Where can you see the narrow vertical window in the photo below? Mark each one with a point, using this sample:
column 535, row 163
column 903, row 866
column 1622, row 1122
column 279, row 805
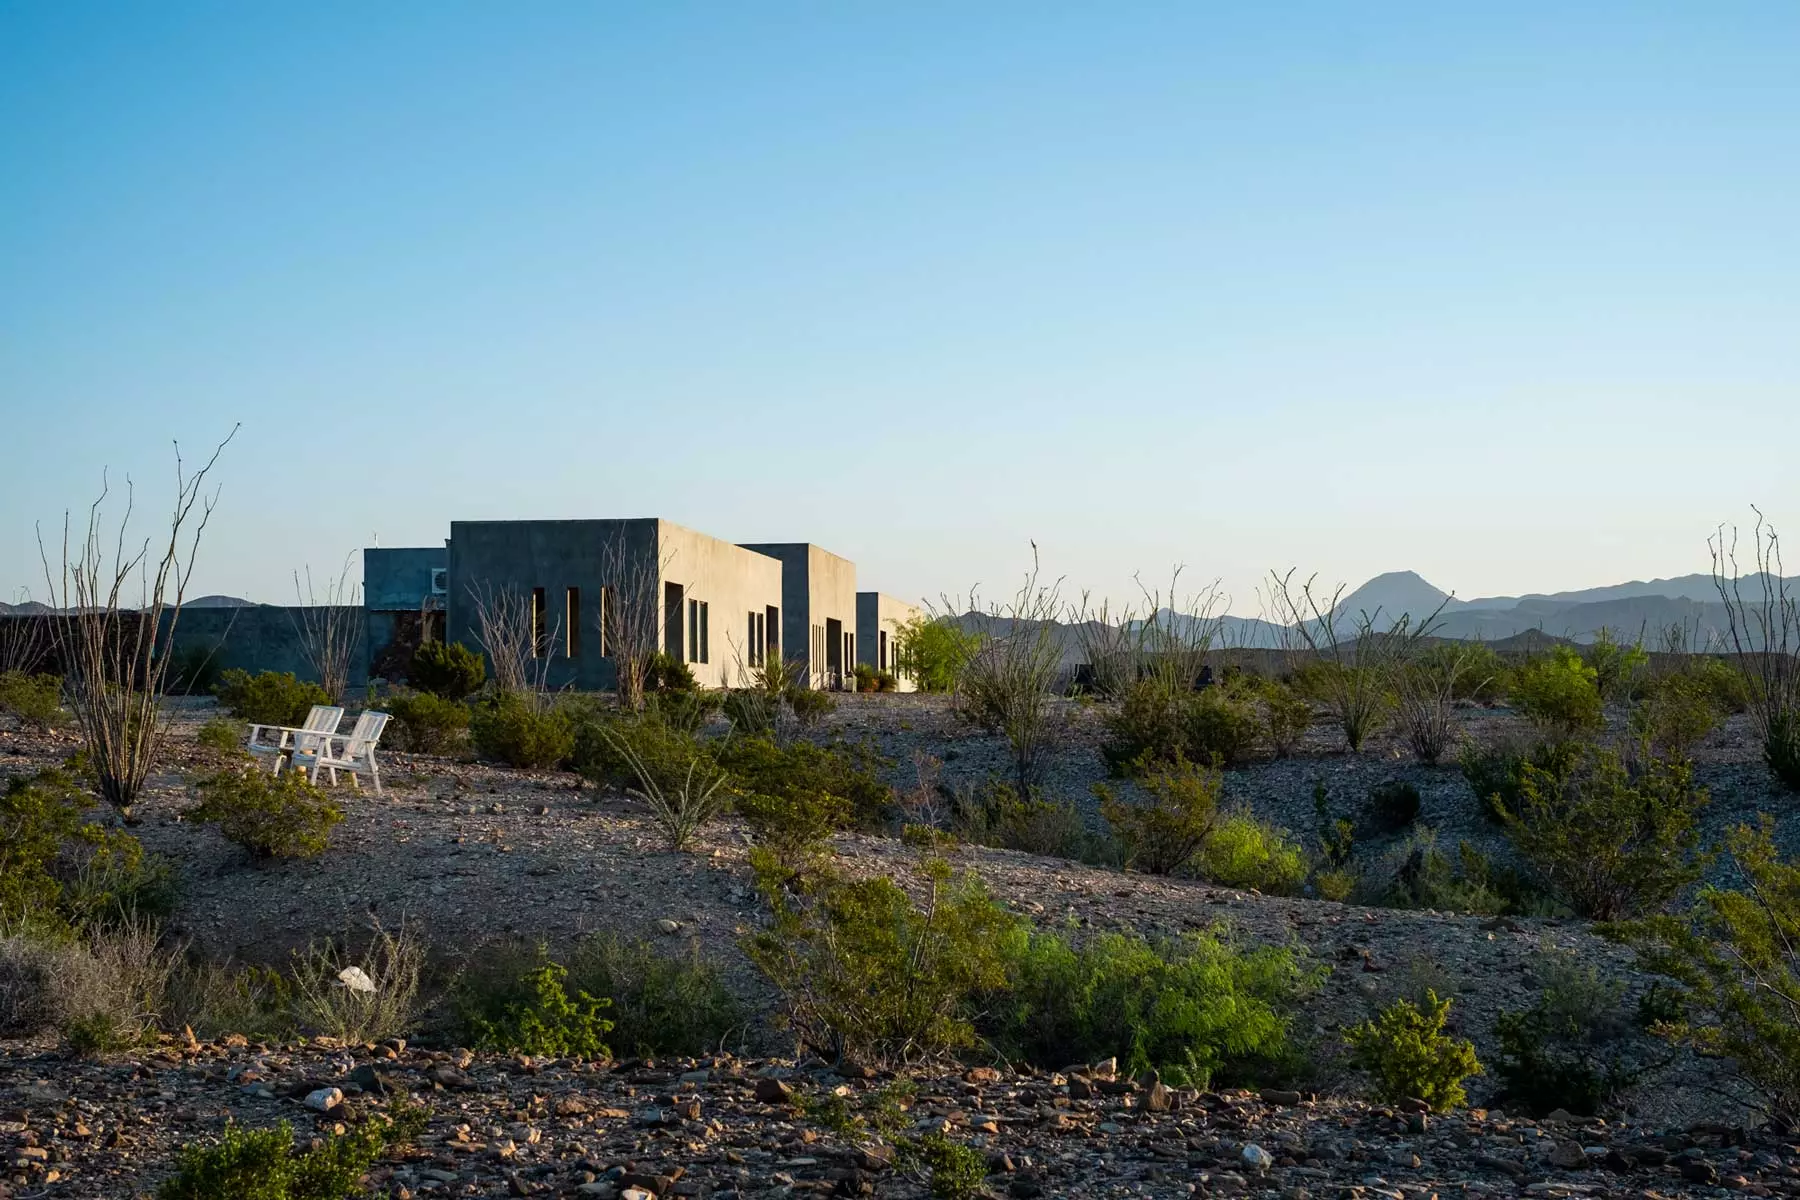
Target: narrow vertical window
column 772, row 631
column 881, row 658
column 705, row 634
column 540, row 641
column 604, row 619
column 693, row 624
column 572, row 619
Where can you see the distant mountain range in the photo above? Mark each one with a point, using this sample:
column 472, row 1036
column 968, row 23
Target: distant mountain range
column 34, row 608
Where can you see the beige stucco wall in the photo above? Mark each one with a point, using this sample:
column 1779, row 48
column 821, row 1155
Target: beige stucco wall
column 733, row 582
column 878, row 613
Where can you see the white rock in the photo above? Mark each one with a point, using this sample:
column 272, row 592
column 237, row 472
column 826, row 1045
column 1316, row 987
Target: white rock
column 1257, row 1159
column 325, row 1099
column 357, row 980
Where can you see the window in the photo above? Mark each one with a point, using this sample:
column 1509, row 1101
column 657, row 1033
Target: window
column 697, row 631
column 605, row 617
column 771, row 632
column 705, row 635
column 881, row 651
column 573, row 617
column 755, row 640
column 540, row 638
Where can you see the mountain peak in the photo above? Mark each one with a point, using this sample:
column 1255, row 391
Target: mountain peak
column 1396, row 594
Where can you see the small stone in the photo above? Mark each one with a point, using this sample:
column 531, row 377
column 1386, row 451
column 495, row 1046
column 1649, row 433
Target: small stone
column 1569, row 1156
column 357, row 980
column 1698, row 1170
column 1285, row 1099
column 1256, row 1158
column 668, row 927
column 324, row 1099
column 770, row 1090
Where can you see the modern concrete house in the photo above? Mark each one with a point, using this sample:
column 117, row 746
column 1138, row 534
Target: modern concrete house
column 405, row 590
column 717, row 606
column 878, row 621
column 818, row 591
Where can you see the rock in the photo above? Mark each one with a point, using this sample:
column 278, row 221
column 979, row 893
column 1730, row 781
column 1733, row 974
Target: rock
column 357, row 980
column 667, row 927
column 773, row 1091
column 1569, row 1156
column 1080, row 1088
column 1698, row 1170
column 324, row 1099
column 372, row 1081
column 1157, row 1098
column 1256, row 1158
column 1283, row 1098
column 1413, row 1106
column 1489, row 1163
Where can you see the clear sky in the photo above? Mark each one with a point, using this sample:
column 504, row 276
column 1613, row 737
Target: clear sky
column 1507, row 294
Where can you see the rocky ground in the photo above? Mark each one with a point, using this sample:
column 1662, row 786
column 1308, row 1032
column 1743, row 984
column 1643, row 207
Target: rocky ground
column 461, row 853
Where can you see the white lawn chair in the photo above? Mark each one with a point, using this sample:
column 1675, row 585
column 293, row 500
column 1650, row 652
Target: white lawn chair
column 322, row 719
column 353, row 752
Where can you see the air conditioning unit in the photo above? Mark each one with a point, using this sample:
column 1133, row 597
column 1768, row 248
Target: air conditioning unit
column 440, row 581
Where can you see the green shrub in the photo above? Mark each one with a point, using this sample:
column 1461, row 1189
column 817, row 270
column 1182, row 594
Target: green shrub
column 36, row 700
column 933, row 653
column 271, row 816
column 193, row 671
column 1618, row 668
column 269, row 698
column 216, row 1000
column 1155, row 723
column 521, row 732
column 1729, row 689
column 263, row 1164
column 1479, row 674
column 1196, row 1009
column 1734, row 961
column 1393, row 805
column 1286, row 716
column 866, row 972
column 1246, row 852
column 60, row 871
column 795, row 827
column 607, row 744
column 1168, row 832
column 886, row 681
column 1409, row 1057
column 994, row 815
column 1496, row 773
column 847, row 772
column 425, row 723
column 1567, row 1050
column 1417, row 874
column 810, row 705
column 1560, row 694
column 752, row 711
column 1781, row 747
column 224, row 736
column 678, row 778
column 1606, row 844
column 957, row 1171
column 447, row 670
column 864, row 676
column 545, row 1022
column 686, row 710
column 660, row 1004
column 1674, row 714
column 667, row 673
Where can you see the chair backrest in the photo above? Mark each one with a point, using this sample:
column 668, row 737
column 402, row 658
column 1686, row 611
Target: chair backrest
column 322, row 719
column 367, row 732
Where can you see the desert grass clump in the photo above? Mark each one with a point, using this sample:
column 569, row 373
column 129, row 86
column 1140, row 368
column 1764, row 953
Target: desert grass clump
column 358, row 998
column 1426, row 692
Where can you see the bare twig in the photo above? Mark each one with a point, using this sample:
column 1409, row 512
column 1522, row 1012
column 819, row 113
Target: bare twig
column 328, row 629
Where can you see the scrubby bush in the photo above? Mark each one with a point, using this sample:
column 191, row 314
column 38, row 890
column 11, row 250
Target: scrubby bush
column 810, row 705
column 1155, row 723
column 357, row 998
column 268, row 698
column 752, row 711
column 1245, row 851
column 102, row 992
column 1393, row 805
column 686, row 710
column 216, row 1000
column 956, row 1171
column 448, row 670
column 935, row 652
column 666, row 673
column 864, row 676
column 847, row 772
column 1734, row 958
column 1197, row 1009
column 660, row 1004
column 994, row 815
column 1476, row 672
column 264, row 1164
column 60, row 872
column 1409, row 1056
column 1495, row 773
column 1674, row 714
column 545, row 1021
column 1567, row 1050
column 36, row 700
column 1726, row 684
column 1560, row 694
column 794, row 827
column 218, row 734
column 1286, row 716
column 1360, row 698
column 1781, row 748
column 1167, row 832
column 866, row 972
column 1605, row 843
column 521, row 732
column 677, row 778
column 270, row 816
column 1618, row 668
column 426, row 723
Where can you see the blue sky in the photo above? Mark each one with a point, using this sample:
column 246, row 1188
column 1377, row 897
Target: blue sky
column 1505, row 294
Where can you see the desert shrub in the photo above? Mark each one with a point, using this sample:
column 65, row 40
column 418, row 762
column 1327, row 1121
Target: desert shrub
column 60, row 872
column 545, row 1021
column 1155, row 723
column 864, row 971
column 448, row 670
column 1418, row 874
column 513, row 729
column 193, row 671
column 358, row 998
column 660, row 1004
column 844, row 771
column 110, row 883
column 268, row 698
column 425, row 723
column 667, row 673
column 1393, row 805
column 1560, row 694
column 1197, row 1009
column 687, row 710
column 1360, row 698
column 1674, row 714
column 1730, row 692
column 994, row 815
column 1409, row 1056
column 935, row 652
column 678, row 779
column 1606, row 844
column 270, row 816
column 36, row 700
column 264, row 1164
column 1567, row 1050
column 864, row 676
column 1168, row 831
column 1286, row 716
column 1733, row 958
column 752, row 711
column 810, row 705
column 1495, row 773
column 793, row 827
column 225, row 737
column 1781, row 747
column 1247, row 852
column 1476, row 672
column 886, row 681
column 217, row 999
column 1618, row 668
column 109, row 989
column 956, row 1171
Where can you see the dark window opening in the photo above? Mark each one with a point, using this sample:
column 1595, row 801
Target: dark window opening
column 573, row 617
column 673, row 638
column 540, row 615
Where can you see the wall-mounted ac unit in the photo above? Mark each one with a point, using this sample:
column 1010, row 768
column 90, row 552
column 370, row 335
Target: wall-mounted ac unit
column 440, row 581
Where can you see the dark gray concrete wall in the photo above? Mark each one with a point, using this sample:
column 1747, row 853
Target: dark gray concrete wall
column 796, row 625
column 400, row 577
column 265, row 637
